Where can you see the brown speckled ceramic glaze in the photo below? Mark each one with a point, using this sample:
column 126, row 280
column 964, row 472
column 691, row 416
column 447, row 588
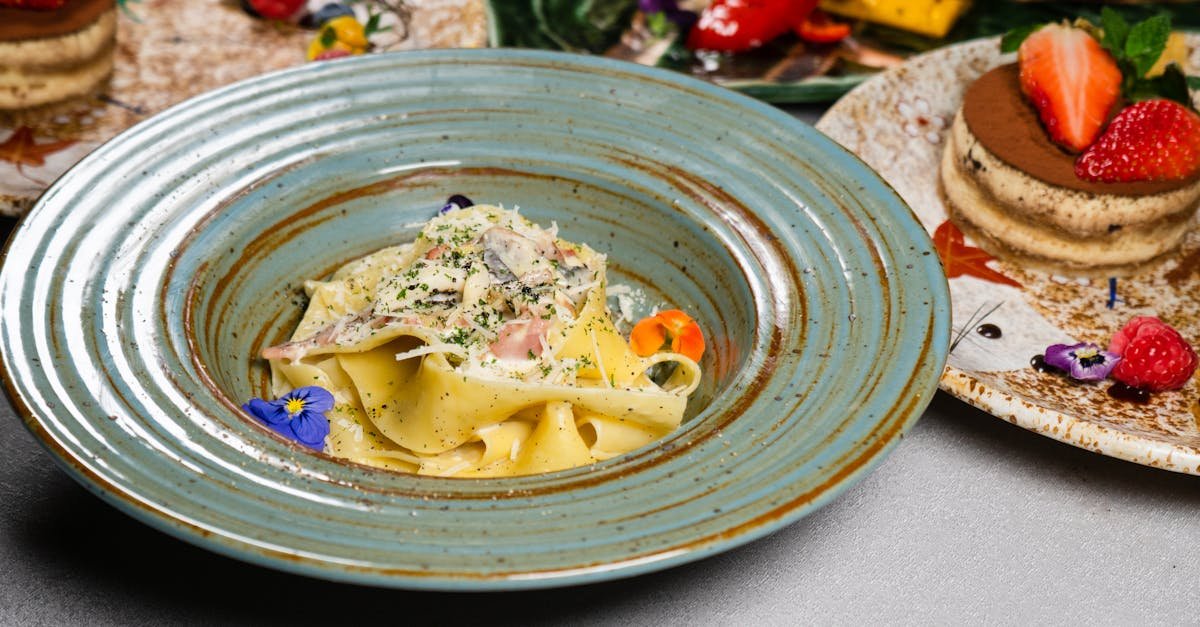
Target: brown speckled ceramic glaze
column 137, row 294
column 898, row 123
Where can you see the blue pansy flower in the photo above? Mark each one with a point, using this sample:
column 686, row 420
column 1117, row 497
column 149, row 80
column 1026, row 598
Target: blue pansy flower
column 1083, row 361
column 298, row 415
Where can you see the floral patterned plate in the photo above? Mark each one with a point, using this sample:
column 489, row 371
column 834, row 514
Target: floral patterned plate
column 1005, row 314
column 170, row 50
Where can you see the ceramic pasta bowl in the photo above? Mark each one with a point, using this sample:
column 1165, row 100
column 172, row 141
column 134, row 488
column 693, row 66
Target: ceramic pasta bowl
column 140, row 289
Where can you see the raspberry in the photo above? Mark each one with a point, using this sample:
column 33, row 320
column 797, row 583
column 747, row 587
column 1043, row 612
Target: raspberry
column 1154, row 356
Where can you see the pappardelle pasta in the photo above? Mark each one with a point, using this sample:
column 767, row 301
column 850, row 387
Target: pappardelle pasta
column 484, row 348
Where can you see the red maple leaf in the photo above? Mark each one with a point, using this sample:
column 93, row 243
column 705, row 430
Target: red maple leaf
column 21, row 149
column 959, row 259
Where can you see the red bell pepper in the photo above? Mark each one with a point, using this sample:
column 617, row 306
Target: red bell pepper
column 818, row 28
column 739, row 25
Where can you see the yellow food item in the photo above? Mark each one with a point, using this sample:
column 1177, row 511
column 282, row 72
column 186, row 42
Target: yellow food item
column 1175, row 52
column 349, row 31
column 926, row 17
column 429, row 348
column 341, row 33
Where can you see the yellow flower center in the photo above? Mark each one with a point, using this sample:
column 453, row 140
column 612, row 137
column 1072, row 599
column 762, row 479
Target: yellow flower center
column 295, row 406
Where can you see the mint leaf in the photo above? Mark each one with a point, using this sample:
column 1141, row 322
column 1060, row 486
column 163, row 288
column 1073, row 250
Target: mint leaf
column 1174, row 85
column 1171, row 84
column 1013, row 39
column 1193, row 82
column 1146, row 42
column 1116, row 31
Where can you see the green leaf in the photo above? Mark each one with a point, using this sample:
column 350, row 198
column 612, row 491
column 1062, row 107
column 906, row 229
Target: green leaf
column 328, row 37
column 583, row 25
column 1116, row 31
column 1171, row 84
column 372, row 25
column 1146, row 42
column 1193, row 82
column 1012, row 39
column 512, row 23
column 658, row 24
column 124, row 4
column 1143, row 90
column 1174, row 85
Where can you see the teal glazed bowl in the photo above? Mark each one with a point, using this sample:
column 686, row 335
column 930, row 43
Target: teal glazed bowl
column 139, row 290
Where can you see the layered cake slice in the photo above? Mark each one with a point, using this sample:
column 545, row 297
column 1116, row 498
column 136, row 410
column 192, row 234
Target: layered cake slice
column 1051, row 163
column 52, row 50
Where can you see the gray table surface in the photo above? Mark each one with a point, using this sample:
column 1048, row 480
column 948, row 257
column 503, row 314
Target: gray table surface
column 969, row 520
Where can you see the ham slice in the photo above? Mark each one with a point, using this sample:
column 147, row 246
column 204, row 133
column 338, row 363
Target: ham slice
column 520, row 338
column 353, row 326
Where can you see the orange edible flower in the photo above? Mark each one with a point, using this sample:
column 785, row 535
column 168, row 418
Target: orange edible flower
column 650, row 333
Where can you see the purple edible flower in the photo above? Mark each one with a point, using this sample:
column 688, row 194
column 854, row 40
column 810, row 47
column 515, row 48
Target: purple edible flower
column 1083, row 361
column 669, row 8
column 457, row 201
column 654, row 6
column 298, row 415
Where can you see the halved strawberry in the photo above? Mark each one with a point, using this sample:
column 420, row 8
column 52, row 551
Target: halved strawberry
column 1072, row 82
column 1152, row 140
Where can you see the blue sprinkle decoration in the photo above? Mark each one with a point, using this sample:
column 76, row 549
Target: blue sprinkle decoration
column 298, row 415
column 1112, row 293
column 457, row 201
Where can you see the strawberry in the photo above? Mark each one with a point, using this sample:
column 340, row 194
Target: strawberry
column 1152, row 140
column 276, row 9
column 37, row 5
column 1154, row 356
column 1072, row 82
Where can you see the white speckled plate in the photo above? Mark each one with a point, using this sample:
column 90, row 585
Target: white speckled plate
column 897, row 122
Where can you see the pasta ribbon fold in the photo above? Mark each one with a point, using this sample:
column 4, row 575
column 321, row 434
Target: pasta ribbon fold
column 485, row 348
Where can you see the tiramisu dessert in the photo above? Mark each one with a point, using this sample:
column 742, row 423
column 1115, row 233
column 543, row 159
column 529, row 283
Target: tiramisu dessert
column 1078, row 159
column 52, row 50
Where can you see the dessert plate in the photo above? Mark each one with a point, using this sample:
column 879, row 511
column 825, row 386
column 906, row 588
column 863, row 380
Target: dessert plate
column 139, row 289
column 898, row 123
